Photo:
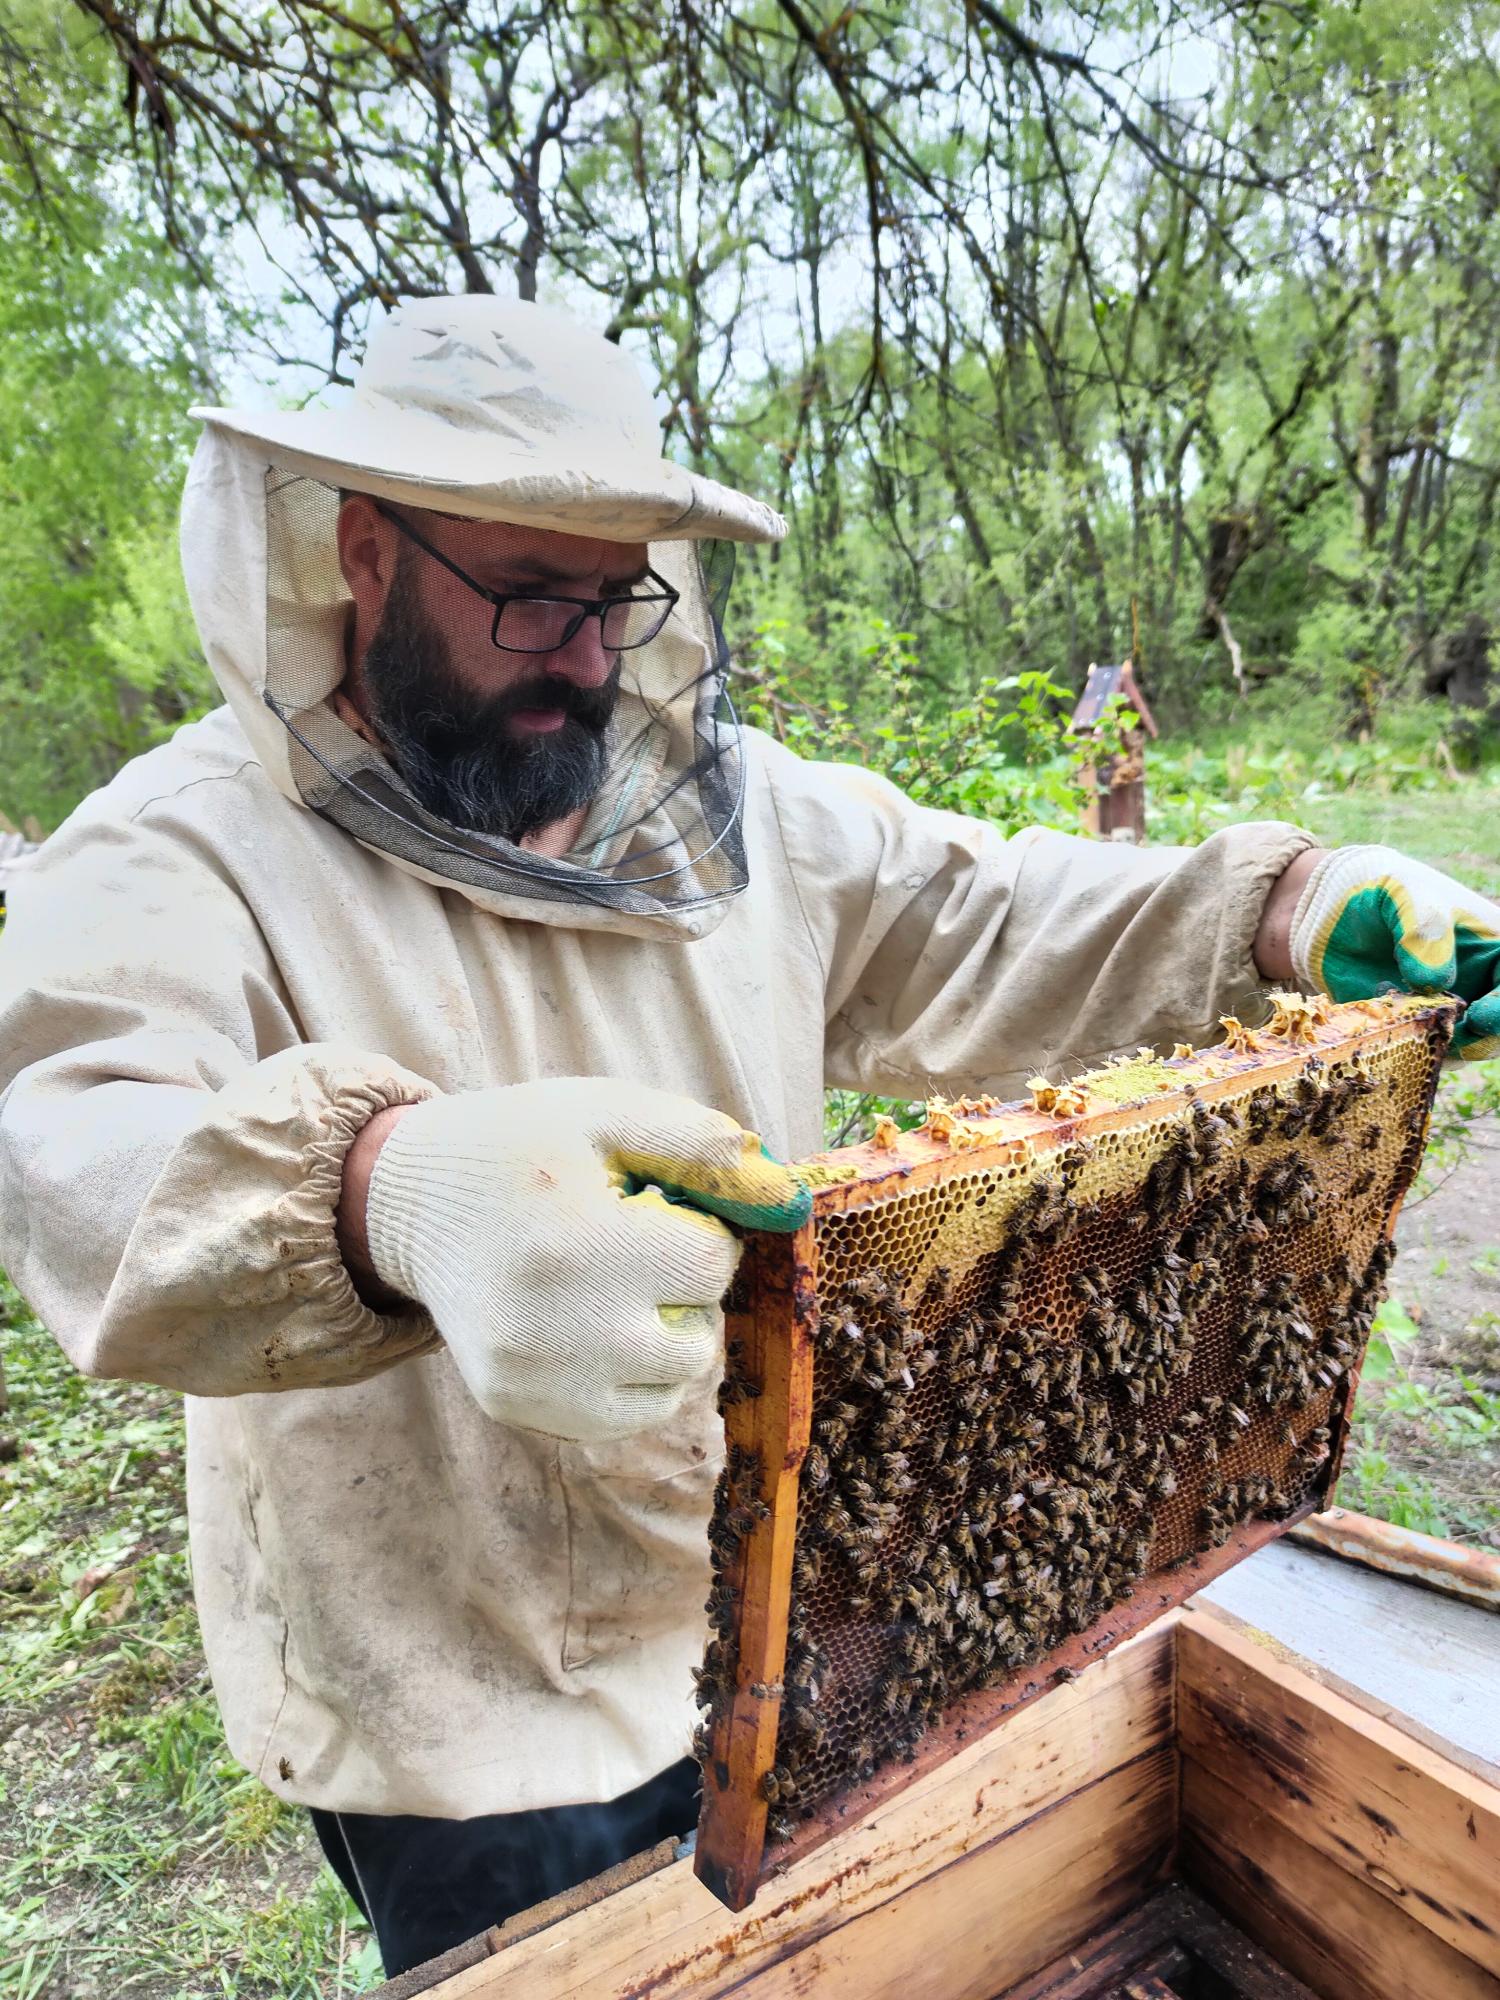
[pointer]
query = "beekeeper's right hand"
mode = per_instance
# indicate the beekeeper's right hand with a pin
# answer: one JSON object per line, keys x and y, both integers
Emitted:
{"x": 572, "y": 1303}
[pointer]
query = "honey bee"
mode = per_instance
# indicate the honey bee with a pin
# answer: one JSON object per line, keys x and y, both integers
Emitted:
{"x": 892, "y": 1693}
{"x": 777, "y": 1785}
{"x": 1092, "y": 1285}
{"x": 743, "y": 1465}
{"x": 707, "y": 1686}
{"x": 802, "y": 1681}
{"x": 807, "y": 1566}
{"x": 812, "y": 1730}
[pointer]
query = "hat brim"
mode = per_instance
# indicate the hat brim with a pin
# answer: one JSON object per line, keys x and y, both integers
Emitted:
{"x": 419, "y": 460}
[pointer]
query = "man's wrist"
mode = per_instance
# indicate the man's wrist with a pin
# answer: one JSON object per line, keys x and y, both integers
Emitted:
{"x": 351, "y": 1228}
{"x": 1272, "y": 949}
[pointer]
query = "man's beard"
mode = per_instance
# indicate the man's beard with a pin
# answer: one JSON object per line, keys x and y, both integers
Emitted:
{"x": 457, "y": 749}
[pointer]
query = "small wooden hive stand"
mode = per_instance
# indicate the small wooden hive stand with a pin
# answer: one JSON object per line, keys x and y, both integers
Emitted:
{"x": 1114, "y": 778}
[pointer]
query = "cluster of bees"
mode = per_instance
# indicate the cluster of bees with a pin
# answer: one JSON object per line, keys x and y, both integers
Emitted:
{"x": 984, "y": 1481}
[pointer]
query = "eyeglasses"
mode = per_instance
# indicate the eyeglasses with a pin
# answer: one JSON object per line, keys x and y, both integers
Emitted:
{"x": 524, "y": 623}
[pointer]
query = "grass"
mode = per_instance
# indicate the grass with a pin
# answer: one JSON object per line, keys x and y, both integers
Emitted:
{"x": 1424, "y": 1451}
{"x": 141, "y": 1860}
{"x": 1290, "y": 762}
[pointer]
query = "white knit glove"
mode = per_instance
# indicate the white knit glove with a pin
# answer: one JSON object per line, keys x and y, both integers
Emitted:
{"x": 570, "y": 1304}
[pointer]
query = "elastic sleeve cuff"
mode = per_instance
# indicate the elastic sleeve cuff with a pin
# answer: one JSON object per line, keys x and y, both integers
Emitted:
{"x": 232, "y": 1281}
{"x": 1305, "y": 927}
{"x": 1260, "y": 854}
{"x": 383, "y": 1337}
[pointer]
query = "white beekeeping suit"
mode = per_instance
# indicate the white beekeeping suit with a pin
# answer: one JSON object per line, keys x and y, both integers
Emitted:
{"x": 254, "y": 937}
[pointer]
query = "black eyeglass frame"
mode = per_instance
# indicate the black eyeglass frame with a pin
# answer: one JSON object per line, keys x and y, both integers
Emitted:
{"x": 587, "y": 607}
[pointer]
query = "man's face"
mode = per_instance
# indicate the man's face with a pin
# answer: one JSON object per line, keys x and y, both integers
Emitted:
{"x": 501, "y": 742}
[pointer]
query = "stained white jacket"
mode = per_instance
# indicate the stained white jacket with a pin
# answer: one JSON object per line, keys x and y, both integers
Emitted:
{"x": 205, "y": 990}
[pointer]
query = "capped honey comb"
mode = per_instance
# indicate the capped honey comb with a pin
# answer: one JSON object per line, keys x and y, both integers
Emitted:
{"x": 1029, "y": 1376}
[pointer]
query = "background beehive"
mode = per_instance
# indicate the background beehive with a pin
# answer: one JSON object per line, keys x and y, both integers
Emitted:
{"x": 1025, "y": 1379}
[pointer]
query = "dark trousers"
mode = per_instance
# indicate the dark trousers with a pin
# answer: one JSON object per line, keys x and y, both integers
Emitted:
{"x": 429, "y": 1884}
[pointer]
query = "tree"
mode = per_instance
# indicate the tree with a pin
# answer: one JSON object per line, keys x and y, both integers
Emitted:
{"x": 1172, "y": 327}
{"x": 101, "y": 345}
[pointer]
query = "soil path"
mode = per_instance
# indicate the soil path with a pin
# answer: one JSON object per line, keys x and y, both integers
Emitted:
{"x": 1447, "y": 1275}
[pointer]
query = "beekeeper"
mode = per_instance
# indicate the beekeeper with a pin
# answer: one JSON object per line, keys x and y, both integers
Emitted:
{"x": 350, "y": 1039}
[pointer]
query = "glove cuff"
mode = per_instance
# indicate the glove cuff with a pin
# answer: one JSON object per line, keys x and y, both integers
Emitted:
{"x": 426, "y": 1188}
{"x": 1333, "y": 880}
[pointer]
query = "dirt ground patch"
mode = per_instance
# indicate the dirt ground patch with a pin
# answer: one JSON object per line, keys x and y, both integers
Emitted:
{"x": 1435, "y": 1419}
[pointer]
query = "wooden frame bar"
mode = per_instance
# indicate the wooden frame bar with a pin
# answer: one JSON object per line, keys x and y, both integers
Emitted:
{"x": 767, "y": 1334}
{"x": 1470, "y": 1573}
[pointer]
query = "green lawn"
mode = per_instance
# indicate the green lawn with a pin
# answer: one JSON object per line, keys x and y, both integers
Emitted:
{"x": 1292, "y": 765}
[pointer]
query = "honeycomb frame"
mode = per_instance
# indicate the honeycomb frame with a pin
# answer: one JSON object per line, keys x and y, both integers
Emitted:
{"x": 1029, "y": 1376}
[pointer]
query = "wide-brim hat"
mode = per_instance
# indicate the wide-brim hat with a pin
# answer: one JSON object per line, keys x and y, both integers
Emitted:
{"x": 502, "y": 410}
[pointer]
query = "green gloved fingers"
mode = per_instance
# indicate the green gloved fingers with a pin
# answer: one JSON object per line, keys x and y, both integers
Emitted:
{"x": 1371, "y": 919}
{"x": 754, "y": 1191}
{"x": 1477, "y": 1035}
{"x": 1368, "y": 935}
{"x": 1478, "y": 960}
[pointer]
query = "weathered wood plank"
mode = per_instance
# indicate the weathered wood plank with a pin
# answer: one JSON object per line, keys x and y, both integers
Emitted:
{"x": 1409, "y": 1824}
{"x": 765, "y": 1323}
{"x": 1425, "y": 1661}
{"x": 987, "y": 1920}
{"x": 1175, "y": 1932}
{"x": 667, "y": 1936}
{"x": 1328, "y": 1926}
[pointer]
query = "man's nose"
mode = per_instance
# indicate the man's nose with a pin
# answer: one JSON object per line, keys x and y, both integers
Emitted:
{"x": 585, "y": 660}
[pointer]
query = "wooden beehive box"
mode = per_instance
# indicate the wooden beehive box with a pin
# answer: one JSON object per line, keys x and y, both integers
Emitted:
{"x": 1090, "y": 1848}
{"x": 1027, "y": 1378}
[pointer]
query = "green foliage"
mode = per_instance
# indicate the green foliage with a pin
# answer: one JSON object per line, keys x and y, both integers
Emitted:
{"x": 99, "y": 334}
{"x": 1376, "y": 1483}
{"x": 146, "y": 632}
{"x": 1424, "y": 1449}
{"x": 1006, "y": 754}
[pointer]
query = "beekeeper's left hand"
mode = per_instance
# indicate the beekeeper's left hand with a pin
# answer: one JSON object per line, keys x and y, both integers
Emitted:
{"x": 1371, "y": 920}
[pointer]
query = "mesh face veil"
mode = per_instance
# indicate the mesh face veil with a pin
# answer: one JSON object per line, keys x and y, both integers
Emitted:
{"x": 663, "y": 832}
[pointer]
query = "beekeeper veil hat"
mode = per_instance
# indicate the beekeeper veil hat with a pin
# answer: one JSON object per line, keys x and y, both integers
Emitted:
{"x": 494, "y": 410}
